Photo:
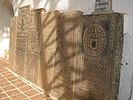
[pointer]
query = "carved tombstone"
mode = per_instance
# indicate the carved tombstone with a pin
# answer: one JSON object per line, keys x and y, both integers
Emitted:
{"x": 70, "y": 55}
{"x": 99, "y": 64}
{"x": 28, "y": 43}
{"x": 47, "y": 49}
{"x": 33, "y": 46}
{"x": 68, "y": 30}
{"x": 21, "y": 39}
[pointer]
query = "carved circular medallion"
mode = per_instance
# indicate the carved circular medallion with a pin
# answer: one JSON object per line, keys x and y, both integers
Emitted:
{"x": 94, "y": 40}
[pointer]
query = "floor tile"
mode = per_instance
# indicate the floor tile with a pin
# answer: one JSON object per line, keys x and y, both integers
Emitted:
{"x": 13, "y": 87}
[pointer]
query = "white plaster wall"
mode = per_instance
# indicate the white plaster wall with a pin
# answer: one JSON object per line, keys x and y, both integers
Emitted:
{"x": 87, "y": 6}
{"x": 5, "y": 16}
{"x": 126, "y": 6}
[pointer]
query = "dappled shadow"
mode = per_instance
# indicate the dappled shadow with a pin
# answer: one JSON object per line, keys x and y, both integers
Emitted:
{"x": 57, "y": 67}
{"x": 65, "y": 58}
{"x": 61, "y": 67}
{"x": 65, "y": 70}
{"x": 60, "y": 49}
{"x": 47, "y": 51}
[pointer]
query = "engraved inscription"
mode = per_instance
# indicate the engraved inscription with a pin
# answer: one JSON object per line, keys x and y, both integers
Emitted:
{"x": 93, "y": 76}
{"x": 52, "y": 52}
{"x": 32, "y": 45}
{"x": 94, "y": 40}
{"x": 102, "y": 5}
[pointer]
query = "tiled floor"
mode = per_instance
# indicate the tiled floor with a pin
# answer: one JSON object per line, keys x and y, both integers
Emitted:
{"x": 13, "y": 87}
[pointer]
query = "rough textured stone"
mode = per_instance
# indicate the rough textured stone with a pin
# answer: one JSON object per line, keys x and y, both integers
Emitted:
{"x": 68, "y": 29}
{"x": 99, "y": 66}
{"x": 13, "y": 43}
{"x": 21, "y": 40}
{"x": 70, "y": 55}
{"x": 47, "y": 49}
{"x": 28, "y": 44}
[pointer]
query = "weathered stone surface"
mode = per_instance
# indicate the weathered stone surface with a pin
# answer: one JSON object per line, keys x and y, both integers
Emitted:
{"x": 12, "y": 48}
{"x": 68, "y": 29}
{"x": 21, "y": 40}
{"x": 47, "y": 49}
{"x": 28, "y": 43}
{"x": 100, "y": 62}
{"x": 70, "y": 55}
